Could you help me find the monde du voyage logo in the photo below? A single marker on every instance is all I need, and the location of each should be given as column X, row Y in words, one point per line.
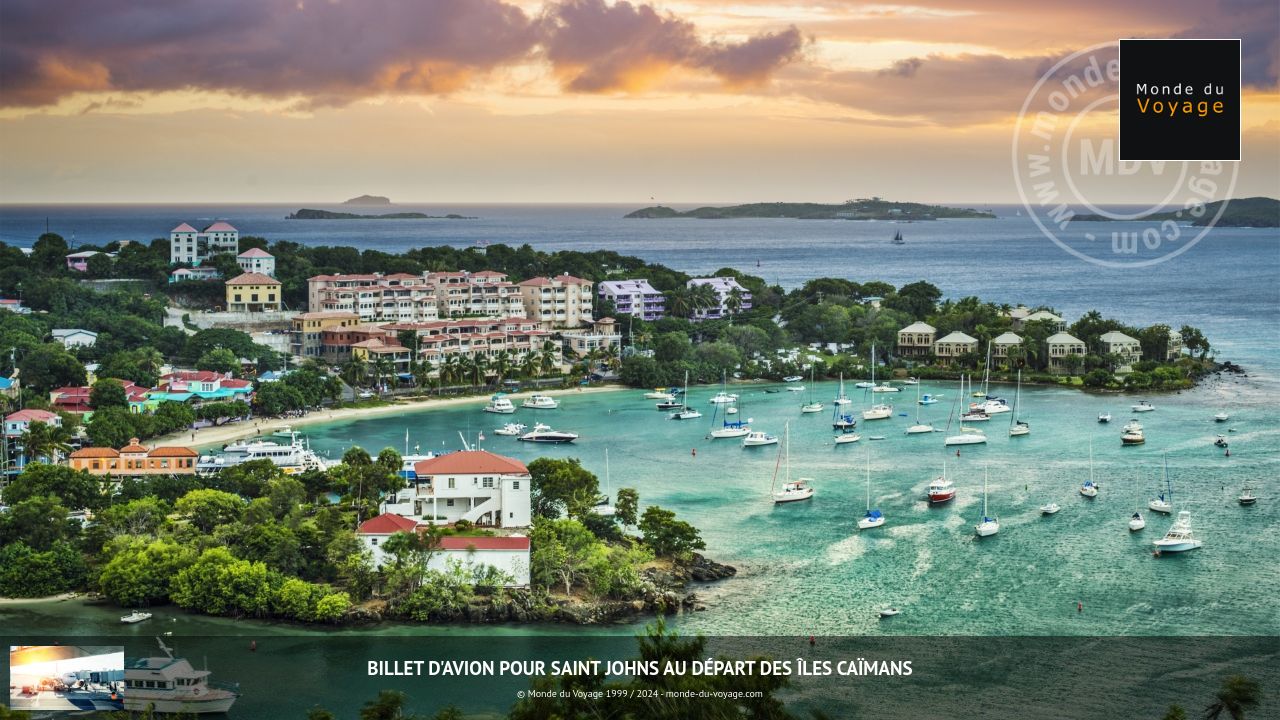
column 1171, row 161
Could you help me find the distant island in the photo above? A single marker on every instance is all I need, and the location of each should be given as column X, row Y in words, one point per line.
column 368, row 200
column 865, row 209
column 312, row 214
column 1258, row 212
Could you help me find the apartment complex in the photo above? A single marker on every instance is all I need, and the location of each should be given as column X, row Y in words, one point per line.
column 916, row 339
column 731, row 297
column 307, row 329
column 636, row 298
column 484, row 293
column 563, row 301
column 191, row 246
column 404, row 297
column 518, row 336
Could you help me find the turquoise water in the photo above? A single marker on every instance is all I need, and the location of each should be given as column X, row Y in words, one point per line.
column 806, row 569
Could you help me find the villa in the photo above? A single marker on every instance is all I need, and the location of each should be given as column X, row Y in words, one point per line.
column 134, row 460
column 183, row 385
column 71, row 338
column 725, row 289
column 253, row 292
column 257, row 260
column 599, row 336
column 1058, row 323
column 1003, row 343
column 955, row 344
column 1062, row 345
column 75, row 398
column 15, row 424
column 636, row 298
column 510, row 555
column 1128, row 348
column 916, row 339
column 192, row 247
column 473, row 485
column 79, row 261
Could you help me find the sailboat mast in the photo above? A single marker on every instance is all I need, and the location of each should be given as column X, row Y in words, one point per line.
column 868, row 478
column 984, row 492
column 608, row 485
column 1090, row 459
column 786, row 445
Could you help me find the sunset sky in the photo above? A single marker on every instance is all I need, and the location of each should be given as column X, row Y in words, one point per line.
column 562, row 100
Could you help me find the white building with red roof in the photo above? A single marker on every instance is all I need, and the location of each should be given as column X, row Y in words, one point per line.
column 15, row 424
column 257, row 260
column 563, row 301
column 473, row 485
column 509, row 554
column 191, row 246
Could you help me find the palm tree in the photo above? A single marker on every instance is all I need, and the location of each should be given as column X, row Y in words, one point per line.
column 734, row 302
column 47, row 442
column 1238, row 693
column 354, row 371
column 501, row 364
column 529, row 364
column 421, row 370
column 703, row 297
column 383, row 367
column 680, row 302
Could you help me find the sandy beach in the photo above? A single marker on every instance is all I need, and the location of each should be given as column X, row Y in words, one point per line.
column 223, row 434
column 48, row 598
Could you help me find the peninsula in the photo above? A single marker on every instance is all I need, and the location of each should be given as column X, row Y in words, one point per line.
column 1256, row 212
column 863, row 209
column 312, row 214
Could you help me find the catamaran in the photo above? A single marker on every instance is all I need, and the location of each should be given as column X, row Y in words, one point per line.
column 873, row 518
column 989, row 525
column 1018, row 428
column 790, row 491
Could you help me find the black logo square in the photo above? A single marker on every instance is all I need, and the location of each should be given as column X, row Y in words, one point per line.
column 1179, row 99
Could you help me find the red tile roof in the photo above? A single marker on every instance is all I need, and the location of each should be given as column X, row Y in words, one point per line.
column 173, row 451
column 183, row 228
column 470, row 462
column 220, row 227
column 253, row 279
column 32, row 415
column 95, row 452
column 387, row 524
column 484, row 543
column 255, row 253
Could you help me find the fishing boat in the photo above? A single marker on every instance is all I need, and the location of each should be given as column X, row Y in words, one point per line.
column 511, row 429
column 540, row 402
column 683, row 411
column 1049, row 508
column 1136, row 522
column 1090, row 488
column 919, row 428
column 1179, row 538
column 757, row 438
column 544, row 434
column 874, row 518
column 171, row 685
column 791, row 491
column 812, row 406
column 136, row 616
column 1163, row 502
column 1018, row 427
column 500, row 405
column 1247, row 497
column 670, row 404
column 966, row 436
column 989, row 525
column 1143, row 406
column 1221, row 417
column 658, row 394
column 1104, row 417
column 941, row 489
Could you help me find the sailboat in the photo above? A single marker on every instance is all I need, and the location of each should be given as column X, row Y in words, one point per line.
column 1161, row 503
column 604, row 507
column 841, row 398
column 873, row 518
column 1136, row 522
column 790, row 491
column 967, row 436
column 989, row 525
column 684, row 412
column 1090, row 489
column 878, row 411
column 812, row 406
column 728, row 428
column 1018, row 428
column 986, row 375
column 723, row 397
column 919, row 427
column 897, row 239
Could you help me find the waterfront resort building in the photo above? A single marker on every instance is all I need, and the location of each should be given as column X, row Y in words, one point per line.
column 916, row 339
column 522, row 339
column 484, row 293
column 192, row 247
column 636, row 298
column 1062, row 345
column 134, row 460
column 473, row 485
column 306, row 330
column 731, row 298
column 602, row 334
column 71, row 338
column 563, row 301
column 1175, row 345
column 253, row 292
column 1128, row 348
column 1003, row 343
column 257, row 260
column 509, row 555
column 955, row 344
column 404, row 297
column 374, row 352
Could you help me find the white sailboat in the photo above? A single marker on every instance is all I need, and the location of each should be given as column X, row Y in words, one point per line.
column 1018, row 428
column 728, row 428
column 790, row 491
column 1090, row 489
column 873, row 518
column 1163, row 503
column 967, row 436
column 989, row 525
column 684, row 412
column 877, row 411
column 724, row 397
column 605, row 507
column 986, row 375
column 1136, row 522
column 919, row 427
column 841, row 398
column 812, row 406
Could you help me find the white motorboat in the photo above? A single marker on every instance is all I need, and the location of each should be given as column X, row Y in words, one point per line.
column 990, row 406
column 669, row 404
column 791, row 491
column 889, row 612
column 874, row 518
column 1136, row 522
column 722, row 398
column 170, row 685
column 795, row 388
column 864, row 385
column 1104, row 417
column 847, row 438
column 731, row 410
column 659, row 394
column 1221, row 417
column 500, row 405
column 136, row 616
column 756, row 438
column 1143, row 406
column 886, row 389
column 989, row 525
column 283, row 431
column 1133, row 437
column 792, row 378
column 544, row 434
column 928, row 399
column 911, row 381
column 1049, row 509
column 1179, row 538
column 540, row 402
column 1247, row 497
column 511, row 429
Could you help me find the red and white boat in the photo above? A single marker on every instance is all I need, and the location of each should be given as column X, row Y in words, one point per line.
column 942, row 490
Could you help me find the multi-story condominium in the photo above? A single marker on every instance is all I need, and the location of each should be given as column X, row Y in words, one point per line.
column 725, row 289
column 1003, row 343
column 955, row 344
column 398, row 297
column 337, row 341
column 257, row 260
column 191, row 246
column 485, row 337
column 916, row 339
column 474, row 485
column 374, row 351
column 307, row 328
column 1062, row 345
column 563, row 301
column 509, row 554
column 253, row 292
column 134, row 460
column 636, row 298
column 601, row 335
column 1175, row 345
column 1128, row 348
column 486, row 292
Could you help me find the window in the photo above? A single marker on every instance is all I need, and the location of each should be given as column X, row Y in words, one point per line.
column 487, row 482
column 448, row 503
column 453, row 484
column 515, row 485
column 373, row 541
column 237, row 297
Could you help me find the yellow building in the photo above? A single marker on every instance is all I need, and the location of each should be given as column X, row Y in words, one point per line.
column 308, row 329
column 253, row 292
column 134, row 459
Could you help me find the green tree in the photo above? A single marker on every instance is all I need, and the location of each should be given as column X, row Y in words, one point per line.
column 75, row 489
column 563, row 551
column 207, row 509
column 49, row 253
column 106, row 393
column 220, row 360
column 27, row 572
column 220, row 584
column 1237, row 695
column 111, row 427
column 627, row 506
column 45, row 442
column 49, row 366
column 668, row 536
column 139, row 571
column 672, row 347
column 143, row 516
column 562, row 485
column 40, row 522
